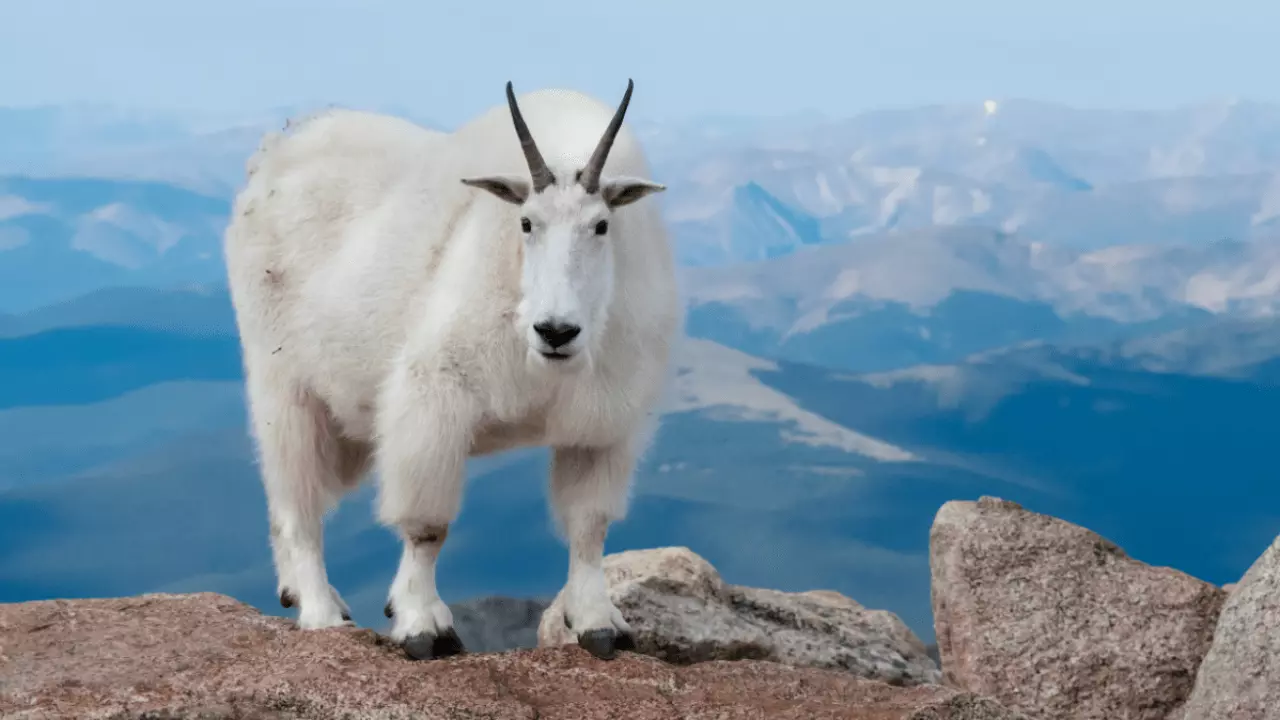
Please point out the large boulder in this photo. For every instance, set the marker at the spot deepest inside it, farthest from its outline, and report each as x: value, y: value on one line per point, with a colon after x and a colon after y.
x: 207, y: 656
x: 683, y: 612
x: 1240, y: 676
x: 1057, y: 622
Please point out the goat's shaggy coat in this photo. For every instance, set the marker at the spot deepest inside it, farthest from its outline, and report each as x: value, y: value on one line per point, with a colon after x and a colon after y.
x: 392, y: 313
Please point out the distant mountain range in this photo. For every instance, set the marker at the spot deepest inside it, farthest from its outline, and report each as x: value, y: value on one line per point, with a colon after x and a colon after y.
x: 1050, y: 174
x: 152, y: 192
x: 938, y: 295
x: 60, y: 238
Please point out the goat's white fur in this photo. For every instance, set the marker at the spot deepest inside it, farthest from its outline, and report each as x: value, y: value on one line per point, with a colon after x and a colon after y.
x: 385, y: 312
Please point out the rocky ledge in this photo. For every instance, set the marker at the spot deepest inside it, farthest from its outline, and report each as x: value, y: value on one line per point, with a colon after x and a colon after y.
x: 210, y: 657
x: 1036, y: 619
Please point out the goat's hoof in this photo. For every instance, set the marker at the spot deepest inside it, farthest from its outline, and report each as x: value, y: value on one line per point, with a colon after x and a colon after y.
x: 425, y: 646
x: 386, y: 610
x: 346, y: 616
x: 286, y: 598
x: 605, y: 643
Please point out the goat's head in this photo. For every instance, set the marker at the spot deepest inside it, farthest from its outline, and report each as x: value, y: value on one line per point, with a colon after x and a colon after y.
x: 567, y: 268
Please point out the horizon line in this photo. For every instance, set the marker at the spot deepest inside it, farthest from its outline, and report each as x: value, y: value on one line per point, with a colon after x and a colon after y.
x: 400, y: 107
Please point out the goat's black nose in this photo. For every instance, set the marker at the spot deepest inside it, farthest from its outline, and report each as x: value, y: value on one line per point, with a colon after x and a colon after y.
x: 556, y: 333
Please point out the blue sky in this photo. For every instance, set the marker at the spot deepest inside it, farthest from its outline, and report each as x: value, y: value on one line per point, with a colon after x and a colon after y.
x: 447, y: 60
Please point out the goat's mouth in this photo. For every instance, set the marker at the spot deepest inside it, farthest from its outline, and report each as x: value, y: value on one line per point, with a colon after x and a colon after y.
x: 555, y: 355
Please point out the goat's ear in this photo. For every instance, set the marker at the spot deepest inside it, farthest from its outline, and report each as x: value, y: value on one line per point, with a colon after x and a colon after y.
x: 619, y: 191
x: 514, y: 190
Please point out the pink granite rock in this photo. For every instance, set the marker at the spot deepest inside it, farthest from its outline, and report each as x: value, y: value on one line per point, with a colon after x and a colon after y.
x: 1057, y: 622
x: 207, y: 656
x: 1240, y: 676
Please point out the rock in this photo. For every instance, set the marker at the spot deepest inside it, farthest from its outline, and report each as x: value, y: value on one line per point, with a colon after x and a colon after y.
x: 1057, y: 622
x: 207, y: 656
x: 496, y: 623
x: 1229, y: 587
x: 682, y: 612
x: 1239, y: 678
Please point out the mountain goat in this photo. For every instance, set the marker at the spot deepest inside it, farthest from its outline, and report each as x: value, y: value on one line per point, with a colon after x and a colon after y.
x: 407, y: 299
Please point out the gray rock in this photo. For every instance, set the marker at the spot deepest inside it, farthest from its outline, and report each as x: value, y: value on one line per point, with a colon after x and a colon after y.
x: 1239, y: 678
x: 683, y: 612
x: 496, y: 623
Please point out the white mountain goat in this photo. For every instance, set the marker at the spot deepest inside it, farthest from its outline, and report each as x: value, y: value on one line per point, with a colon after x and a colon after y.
x: 414, y: 298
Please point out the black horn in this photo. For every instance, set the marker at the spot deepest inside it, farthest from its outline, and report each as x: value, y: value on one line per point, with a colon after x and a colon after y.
x: 542, y: 177
x: 590, y: 178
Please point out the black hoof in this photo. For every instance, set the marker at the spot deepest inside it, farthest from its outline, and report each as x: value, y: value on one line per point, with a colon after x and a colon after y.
x: 605, y: 643
x: 567, y: 622
x: 346, y: 616
x: 625, y: 643
x: 448, y: 643
x: 386, y: 610
x: 425, y: 646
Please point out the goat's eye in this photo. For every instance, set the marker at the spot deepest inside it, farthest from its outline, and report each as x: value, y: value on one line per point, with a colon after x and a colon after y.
x: 602, y: 227
x: 525, y: 225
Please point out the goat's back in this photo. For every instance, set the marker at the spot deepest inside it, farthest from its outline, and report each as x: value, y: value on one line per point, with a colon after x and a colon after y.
x: 308, y: 280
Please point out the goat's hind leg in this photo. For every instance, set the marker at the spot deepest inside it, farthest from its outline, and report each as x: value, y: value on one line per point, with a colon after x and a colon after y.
x: 302, y: 462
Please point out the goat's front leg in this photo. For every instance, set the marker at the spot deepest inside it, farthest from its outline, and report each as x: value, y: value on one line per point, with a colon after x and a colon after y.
x: 425, y: 432
x: 589, y: 489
